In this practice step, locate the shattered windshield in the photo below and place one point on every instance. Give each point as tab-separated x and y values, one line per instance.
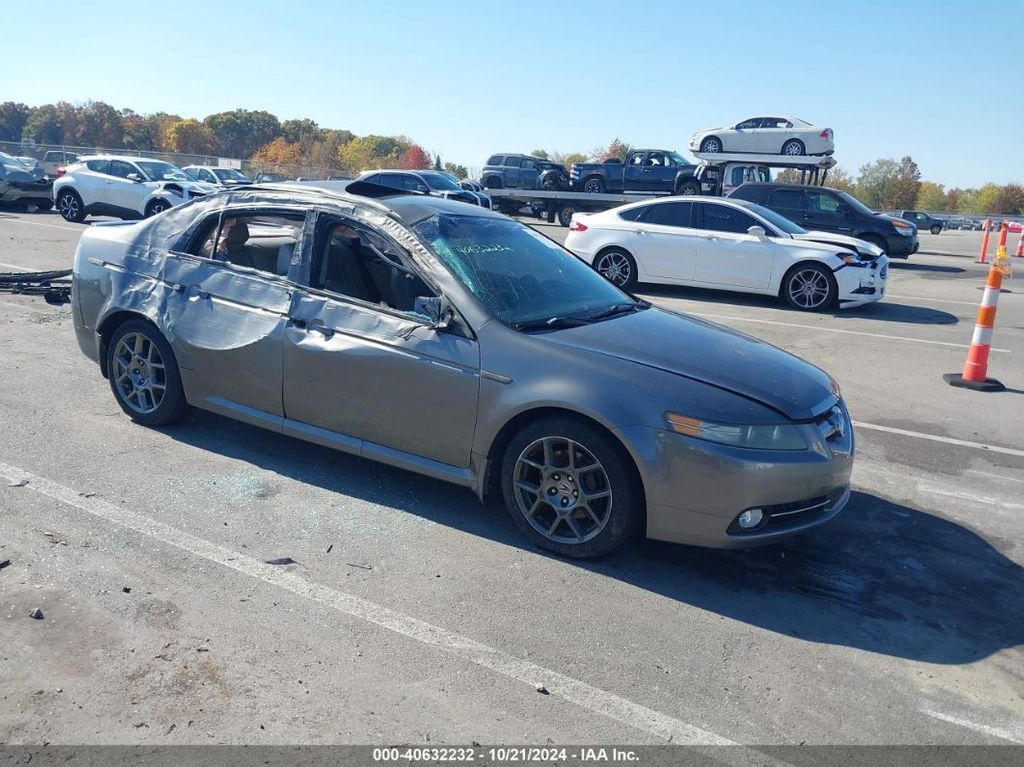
520	276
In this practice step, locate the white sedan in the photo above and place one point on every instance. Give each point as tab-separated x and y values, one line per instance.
765	135
726	244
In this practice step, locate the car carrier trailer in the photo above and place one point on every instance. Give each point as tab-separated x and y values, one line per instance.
720	173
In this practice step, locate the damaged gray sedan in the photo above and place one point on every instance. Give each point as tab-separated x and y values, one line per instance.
455	342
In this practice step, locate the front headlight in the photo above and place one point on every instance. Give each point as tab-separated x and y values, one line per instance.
781	436
851	260
903	228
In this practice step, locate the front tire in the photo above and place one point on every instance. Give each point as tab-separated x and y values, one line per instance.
793	148
143	375
618	267
936	229
810	288
570	489
70	206
711	145
688	187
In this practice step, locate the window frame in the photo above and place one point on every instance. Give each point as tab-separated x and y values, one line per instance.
326	221
800	193
643	219
132	169
194	239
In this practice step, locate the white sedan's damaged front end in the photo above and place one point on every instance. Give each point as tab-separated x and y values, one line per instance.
861	281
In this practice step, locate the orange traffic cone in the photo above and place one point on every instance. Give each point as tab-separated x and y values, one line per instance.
987	229
1020	245
975	372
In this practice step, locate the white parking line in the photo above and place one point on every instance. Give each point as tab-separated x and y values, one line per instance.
938	438
933	298
36	223
839	330
1013	736
599	701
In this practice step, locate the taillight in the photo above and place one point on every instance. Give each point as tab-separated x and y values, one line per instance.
827	133
577	226
61	172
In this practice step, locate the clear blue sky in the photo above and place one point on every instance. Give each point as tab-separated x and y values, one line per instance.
469	78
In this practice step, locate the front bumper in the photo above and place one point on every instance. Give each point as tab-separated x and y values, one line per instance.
862	285
695	489
900	245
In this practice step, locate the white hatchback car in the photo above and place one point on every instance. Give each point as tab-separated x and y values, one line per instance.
123	187
766	135
726	244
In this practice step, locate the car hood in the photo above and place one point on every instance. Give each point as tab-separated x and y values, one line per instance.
712	354
859	246
194	186
22	174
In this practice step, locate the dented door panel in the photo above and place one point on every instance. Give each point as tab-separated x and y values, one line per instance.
381	378
226	327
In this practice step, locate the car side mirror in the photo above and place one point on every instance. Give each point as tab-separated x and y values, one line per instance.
134	177
431	306
758	232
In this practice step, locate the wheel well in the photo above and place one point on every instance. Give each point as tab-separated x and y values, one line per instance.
606	248
492	182
593	177
110	324
492	481
716	138
791	140
69	189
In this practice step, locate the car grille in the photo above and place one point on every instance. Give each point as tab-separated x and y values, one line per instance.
781	516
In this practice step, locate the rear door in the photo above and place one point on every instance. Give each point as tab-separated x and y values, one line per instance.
228	310
664	240
788	203
821	211
726	255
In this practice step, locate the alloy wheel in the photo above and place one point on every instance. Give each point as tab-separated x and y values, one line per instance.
68	206
809	289
592	187
615	268
139	373
562	490
792	149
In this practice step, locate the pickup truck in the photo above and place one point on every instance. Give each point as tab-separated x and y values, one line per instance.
645	170
922	220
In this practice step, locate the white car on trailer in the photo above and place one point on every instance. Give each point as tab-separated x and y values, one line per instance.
766	135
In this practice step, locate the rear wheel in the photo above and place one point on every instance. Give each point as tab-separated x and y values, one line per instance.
936	229
144	375
70	206
570	489
688	187
565	214
594	185
810	288
618	267
711	145
793	148
492	182
39	204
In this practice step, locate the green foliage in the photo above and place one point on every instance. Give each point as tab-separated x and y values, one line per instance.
907	186
876	185
931	197
242	132
437	163
459	171
1010	200
13	117
541	153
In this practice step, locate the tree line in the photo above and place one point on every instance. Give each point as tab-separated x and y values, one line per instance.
241	133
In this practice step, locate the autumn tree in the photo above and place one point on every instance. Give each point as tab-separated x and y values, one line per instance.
190	137
569	158
279	152
988	196
368	152
1010	200
414	158
241	132
438	165
303	132
13	117
616	150
931	197
44	125
541	153
840	179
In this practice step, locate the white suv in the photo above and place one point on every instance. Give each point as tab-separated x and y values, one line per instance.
124	187
216	175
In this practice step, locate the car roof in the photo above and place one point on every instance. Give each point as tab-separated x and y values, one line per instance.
688	198
410	208
126	158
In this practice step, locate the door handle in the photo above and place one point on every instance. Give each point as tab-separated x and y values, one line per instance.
640	231
297	323
318	327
